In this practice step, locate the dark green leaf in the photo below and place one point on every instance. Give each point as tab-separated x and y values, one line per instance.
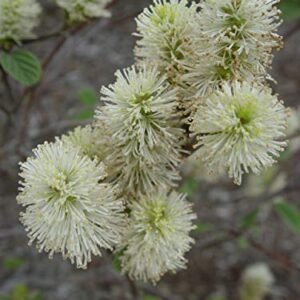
20	292
203	227
84	115
284	155
189	186
243	242
289	214
87	96
116	263
36	296
13	263
22	65
290	9
249	219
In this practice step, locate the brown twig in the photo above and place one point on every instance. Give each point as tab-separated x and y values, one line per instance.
8	86
123	19
9	93
278	258
135	292
42	38
31	92
162	295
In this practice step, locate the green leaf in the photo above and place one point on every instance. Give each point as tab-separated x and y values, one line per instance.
249	219
22	65
290	9
87	96
284	155
289	214
243	243
189	186
13	263
203	227
116	263
84	115
36	296
20	292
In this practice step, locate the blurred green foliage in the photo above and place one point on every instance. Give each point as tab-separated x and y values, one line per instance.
116	262
87	96
243	243
249	219
289	213
89	99
290	9
13	263
21	292
204	227
189	186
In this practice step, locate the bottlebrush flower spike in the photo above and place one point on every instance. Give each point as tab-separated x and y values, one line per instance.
18	18
240	127
67	210
158	236
140	117
81	10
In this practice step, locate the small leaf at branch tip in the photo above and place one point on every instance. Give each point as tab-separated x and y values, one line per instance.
83	115
289	213
13	263
290	9
249	219
87	96
203	227
243	242
22	65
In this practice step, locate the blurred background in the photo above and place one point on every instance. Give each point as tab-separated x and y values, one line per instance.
236	227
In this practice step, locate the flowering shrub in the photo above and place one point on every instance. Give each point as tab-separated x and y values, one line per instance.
201	79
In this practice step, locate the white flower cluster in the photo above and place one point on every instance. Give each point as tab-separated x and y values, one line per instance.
166	37
18	18
140	116
81	10
69	209
239	127
212	55
256	282
157	237
235	42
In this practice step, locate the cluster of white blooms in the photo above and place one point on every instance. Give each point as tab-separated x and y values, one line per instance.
81	10
157	237
213	56
18	18
90	141
236	39
256	282
68	208
140	116
166	41
239	127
